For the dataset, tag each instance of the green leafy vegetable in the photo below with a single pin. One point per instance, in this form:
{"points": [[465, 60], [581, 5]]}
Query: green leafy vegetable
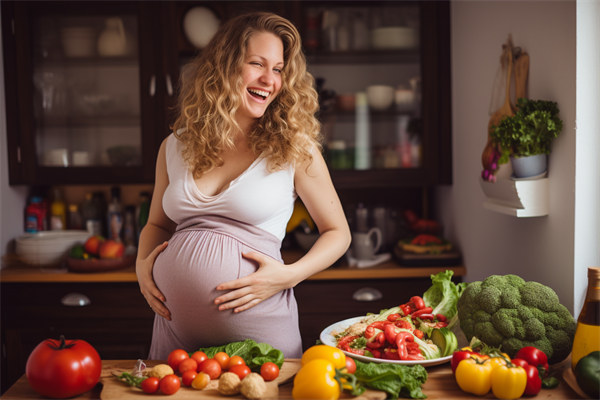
{"points": [[254, 354], [394, 379], [530, 131], [443, 295]]}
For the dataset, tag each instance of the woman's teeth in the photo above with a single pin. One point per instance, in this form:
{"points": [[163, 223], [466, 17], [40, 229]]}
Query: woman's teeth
{"points": [[260, 93]]}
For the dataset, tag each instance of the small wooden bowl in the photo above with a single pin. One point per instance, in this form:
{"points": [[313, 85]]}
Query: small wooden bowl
{"points": [[99, 265]]}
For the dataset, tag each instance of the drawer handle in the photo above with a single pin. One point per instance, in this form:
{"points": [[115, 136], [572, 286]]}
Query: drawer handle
{"points": [[367, 294], [75, 300]]}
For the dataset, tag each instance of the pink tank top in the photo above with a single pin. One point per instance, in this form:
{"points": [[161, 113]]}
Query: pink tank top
{"points": [[257, 197]]}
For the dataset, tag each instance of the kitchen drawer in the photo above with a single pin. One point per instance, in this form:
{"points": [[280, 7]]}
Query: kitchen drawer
{"points": [[322, 303], [48, 301]]}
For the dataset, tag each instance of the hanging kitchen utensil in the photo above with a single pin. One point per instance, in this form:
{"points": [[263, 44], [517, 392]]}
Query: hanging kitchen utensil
{"points": [[488, 156], [521, 75]]}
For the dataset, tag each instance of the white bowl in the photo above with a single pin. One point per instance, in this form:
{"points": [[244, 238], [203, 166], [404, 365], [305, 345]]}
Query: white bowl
{"points": [[380, 97], [394, 37], [48, 247], [305, 240], [200, 24]]}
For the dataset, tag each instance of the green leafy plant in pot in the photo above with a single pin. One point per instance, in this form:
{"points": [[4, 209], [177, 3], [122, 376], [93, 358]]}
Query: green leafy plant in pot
{"points": [[528, 135]]}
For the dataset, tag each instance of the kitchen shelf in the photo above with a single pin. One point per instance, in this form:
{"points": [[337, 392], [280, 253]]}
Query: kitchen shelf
{"points": [[517, 197], [365, 57]]}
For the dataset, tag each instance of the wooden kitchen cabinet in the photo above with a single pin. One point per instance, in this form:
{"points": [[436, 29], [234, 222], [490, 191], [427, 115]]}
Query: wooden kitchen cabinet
{"points": [[65, 131], [117, 321], [85, 91]]}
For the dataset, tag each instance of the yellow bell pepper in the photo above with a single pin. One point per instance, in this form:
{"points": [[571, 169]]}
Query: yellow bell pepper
{"points": [[316, 380], [498, 361], [508, 381], [329, 353], [473, 375]]}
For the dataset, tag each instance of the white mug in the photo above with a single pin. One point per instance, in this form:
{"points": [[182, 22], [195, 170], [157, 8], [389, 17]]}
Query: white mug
{"points": [[366, 245]]}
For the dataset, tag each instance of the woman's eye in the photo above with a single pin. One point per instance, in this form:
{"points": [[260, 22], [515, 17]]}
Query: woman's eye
{"points": [[255, 63], [277, 70]]}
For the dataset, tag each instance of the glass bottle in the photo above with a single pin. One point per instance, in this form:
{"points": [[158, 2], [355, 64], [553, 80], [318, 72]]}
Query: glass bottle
{"points": [[58, 212], [74, 217], [587, 334], [115, 215], [90, 213]]}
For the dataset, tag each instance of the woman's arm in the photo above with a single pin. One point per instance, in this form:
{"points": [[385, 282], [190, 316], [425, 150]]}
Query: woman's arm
{"points": [[153, 239], [314, 186]]}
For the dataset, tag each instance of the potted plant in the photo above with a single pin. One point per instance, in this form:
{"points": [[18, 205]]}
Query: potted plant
{"points": [[526, 137]]}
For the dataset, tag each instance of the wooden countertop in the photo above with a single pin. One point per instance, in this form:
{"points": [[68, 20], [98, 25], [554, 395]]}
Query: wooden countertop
{"points": [[440, 385], [15, 271]]}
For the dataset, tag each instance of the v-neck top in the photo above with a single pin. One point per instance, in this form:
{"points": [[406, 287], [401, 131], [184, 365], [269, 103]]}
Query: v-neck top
{"points": [[257, 196]]}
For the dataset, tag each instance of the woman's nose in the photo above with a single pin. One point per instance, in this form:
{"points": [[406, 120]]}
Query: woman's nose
{"points": [[268, 77]]}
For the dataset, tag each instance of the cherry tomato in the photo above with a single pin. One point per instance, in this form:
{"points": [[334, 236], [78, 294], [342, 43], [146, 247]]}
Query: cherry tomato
{"points": [[63, 368], [187, 364], [350, 365], [235, 360], [211, 367], [240, 370], [169, 384], [176, 357], [201, 381], [222, 358], [188, 377], [150, 385], [199, 356], [269, 371]]}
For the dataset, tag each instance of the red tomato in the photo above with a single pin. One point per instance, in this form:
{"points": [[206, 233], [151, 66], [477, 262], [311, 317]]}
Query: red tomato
{"points": [[199, 356], [187, 364], [235, 360], [350, 365], [211, 367], [188, 376], [240, 370], [222, 358], [176, 357], [457, 357], [269, 371], [534, 357], [170, 384], [150, 385], [63, 368]]}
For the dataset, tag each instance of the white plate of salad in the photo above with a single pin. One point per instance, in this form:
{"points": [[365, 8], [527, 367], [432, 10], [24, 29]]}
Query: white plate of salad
{"points": [[328, 337]]}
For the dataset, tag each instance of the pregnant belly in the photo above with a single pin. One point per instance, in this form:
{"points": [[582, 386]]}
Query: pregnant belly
{"points": [[188, 271]]}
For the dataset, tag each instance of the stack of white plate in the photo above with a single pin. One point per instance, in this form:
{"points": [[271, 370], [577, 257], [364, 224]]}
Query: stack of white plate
{"points": [[48, 247]]}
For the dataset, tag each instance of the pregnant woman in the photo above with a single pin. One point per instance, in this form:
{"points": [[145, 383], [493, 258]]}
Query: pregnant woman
{"points": [[245, 146]]}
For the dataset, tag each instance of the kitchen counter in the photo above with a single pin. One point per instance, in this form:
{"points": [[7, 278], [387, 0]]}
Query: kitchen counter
{"points": [[15, 271], [440, 385]]}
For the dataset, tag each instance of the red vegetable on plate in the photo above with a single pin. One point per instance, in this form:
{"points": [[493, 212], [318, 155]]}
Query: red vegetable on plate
{"points": [[63, 368]]}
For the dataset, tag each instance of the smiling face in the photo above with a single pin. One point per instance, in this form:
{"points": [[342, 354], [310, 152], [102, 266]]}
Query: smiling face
{"points": [[261, 76]]}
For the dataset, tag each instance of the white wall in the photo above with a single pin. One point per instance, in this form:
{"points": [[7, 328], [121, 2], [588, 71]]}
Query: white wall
{"points": [[540, 248]]}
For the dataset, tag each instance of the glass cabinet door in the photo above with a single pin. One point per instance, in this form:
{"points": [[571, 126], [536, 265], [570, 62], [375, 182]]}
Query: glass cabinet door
{"points": [[86, 90]]}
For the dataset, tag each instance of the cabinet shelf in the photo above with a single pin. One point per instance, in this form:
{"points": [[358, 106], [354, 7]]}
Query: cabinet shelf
{"points": [[365, 57], [517, 197]]}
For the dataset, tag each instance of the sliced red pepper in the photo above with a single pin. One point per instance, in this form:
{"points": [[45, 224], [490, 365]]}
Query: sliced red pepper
{"points": [[418, 302], [406, 309], [441, 317], [429, 317], [424, 310], [418, 333], [344, 343], [393, 317], [404, 324]]}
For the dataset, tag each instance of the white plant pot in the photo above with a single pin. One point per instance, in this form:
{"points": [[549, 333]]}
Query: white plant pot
{"points": [[525, 167]]}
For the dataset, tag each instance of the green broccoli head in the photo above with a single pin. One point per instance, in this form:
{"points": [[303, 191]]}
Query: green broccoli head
{"points": [[506, 311]]}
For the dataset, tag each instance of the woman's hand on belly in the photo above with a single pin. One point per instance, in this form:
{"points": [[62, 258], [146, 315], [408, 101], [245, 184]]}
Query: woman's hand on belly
{"points": [[143, 270], [270, 278]]}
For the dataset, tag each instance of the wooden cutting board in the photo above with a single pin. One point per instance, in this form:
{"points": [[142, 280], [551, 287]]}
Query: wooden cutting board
{"points": [[114, 389]]}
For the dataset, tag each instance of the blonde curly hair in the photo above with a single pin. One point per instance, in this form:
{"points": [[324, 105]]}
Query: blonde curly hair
{"points": [[211, 92]]}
